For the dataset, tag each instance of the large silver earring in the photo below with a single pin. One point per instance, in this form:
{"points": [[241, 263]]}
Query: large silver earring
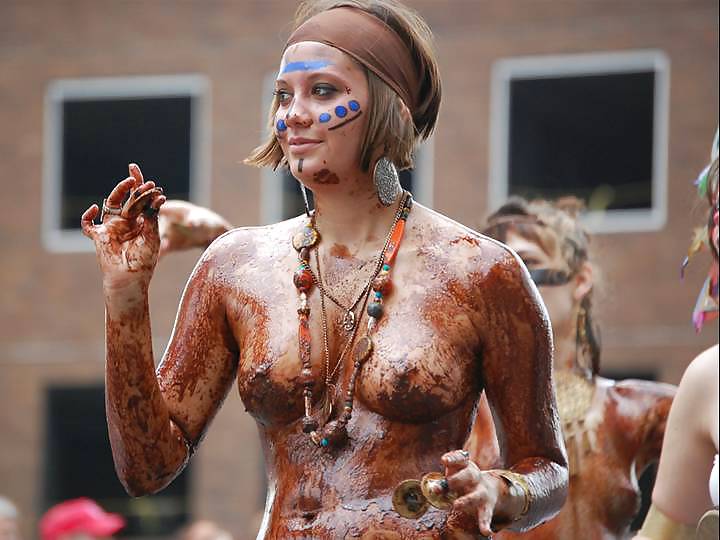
{"points": [[387, 181]]}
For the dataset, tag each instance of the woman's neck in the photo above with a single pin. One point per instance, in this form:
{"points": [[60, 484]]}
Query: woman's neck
{"points": [[565, 352], [349, 213]]}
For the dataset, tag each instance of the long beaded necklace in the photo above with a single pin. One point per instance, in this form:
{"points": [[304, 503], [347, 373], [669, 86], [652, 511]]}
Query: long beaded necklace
{"points": [[334, 433]]}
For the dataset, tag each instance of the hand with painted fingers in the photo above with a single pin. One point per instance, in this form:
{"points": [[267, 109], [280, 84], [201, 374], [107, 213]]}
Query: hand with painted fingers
{"points": [[127, 239], [485, 495]]}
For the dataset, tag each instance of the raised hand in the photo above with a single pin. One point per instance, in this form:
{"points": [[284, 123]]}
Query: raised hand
{"points": [[127, 240]]}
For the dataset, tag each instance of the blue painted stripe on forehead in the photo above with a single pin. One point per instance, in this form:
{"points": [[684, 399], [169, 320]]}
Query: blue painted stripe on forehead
{"points": [[305, 66]]}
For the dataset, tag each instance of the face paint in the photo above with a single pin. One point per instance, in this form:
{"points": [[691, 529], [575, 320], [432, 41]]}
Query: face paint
{"points": [[326, 177], [300, 164], [305, 66], [341, 112]]}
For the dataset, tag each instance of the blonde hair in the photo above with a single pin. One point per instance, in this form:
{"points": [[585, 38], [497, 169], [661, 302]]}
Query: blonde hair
{"points": [[390, 126]]}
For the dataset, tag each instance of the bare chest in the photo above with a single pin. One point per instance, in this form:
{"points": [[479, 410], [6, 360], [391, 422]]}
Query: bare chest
{"points": [[424, 362]]}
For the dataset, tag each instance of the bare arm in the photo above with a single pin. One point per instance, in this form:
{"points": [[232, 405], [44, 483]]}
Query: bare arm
{"points": [[184, 225], [153, 424], [517, 367], [517, 370], [681, 488]]}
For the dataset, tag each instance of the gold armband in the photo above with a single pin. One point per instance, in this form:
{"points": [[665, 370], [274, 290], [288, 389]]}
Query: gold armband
{"points": [[659, 526], [516, 484]]}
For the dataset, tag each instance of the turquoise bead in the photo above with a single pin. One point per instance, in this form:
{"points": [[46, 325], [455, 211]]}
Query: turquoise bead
{"points": [[386, 267], [324, 442]]}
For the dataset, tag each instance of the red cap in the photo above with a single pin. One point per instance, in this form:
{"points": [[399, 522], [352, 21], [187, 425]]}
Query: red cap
{"points": [[79, 516]]}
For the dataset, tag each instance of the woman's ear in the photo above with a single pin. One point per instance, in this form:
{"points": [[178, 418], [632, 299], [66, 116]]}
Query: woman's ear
{"points": [[583, 281]]}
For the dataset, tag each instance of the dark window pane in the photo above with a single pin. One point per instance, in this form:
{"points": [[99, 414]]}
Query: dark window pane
{"points": [[79, 464], [101, 136], [590, 136]]}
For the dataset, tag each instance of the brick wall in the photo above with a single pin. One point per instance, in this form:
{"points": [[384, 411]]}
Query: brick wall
{"points": [[52, 307]]}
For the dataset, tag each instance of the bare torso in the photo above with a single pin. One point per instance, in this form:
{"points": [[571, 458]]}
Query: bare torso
{"points": [[416, 397], [623, 434]]}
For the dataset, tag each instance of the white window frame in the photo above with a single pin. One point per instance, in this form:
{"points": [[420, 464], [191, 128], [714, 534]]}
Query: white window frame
{"points": [[506, 70], [197, 87], [271, 188]]}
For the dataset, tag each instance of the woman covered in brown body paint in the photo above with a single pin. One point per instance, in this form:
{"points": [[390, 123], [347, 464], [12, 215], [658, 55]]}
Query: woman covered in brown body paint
{"points": [[612, 430], [360, 335]]}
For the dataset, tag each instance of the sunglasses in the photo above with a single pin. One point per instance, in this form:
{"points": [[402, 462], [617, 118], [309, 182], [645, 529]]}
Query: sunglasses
{"points": [[549, 276]]}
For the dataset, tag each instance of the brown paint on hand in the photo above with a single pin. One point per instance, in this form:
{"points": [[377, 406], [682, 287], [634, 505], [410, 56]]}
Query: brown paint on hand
{"points": [[325, 176]]}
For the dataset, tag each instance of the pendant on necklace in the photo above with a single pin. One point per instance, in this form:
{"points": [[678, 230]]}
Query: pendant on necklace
{"points": [[348, 321], [326, 405]]}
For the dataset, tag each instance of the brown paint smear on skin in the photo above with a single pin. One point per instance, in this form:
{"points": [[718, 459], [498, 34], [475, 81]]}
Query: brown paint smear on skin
{"points": [[459, 320], [340, 251], [325, 176], [604, 496]]}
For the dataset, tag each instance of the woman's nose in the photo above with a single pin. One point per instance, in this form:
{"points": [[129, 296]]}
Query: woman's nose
{"points": [[298, 116]]}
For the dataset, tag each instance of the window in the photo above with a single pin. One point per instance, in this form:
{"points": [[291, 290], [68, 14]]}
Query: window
{"points": [[591, 125], [79, 464], [281, 198], [95, 127]]}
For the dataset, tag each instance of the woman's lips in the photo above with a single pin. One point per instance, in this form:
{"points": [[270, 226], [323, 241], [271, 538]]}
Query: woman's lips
{"points": [[300, 145]]}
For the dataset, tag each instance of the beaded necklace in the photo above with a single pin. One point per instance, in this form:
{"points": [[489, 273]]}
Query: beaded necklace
{"points": [[334, 433]]}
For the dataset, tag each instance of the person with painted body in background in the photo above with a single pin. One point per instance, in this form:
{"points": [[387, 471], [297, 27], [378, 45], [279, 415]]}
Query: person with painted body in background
{"points": [[687, 481], [360, 335], [613, 429]]}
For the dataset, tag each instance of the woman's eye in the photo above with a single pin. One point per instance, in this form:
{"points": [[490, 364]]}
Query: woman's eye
{"points": [[323, 90], [282, 96]]}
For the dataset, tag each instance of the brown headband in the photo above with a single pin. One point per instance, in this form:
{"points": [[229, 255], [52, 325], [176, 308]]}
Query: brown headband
{"points": [[369, 41]]}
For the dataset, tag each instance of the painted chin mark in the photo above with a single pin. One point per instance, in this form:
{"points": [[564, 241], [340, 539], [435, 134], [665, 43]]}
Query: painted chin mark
{"points": [[326, 177], [300, 165]]}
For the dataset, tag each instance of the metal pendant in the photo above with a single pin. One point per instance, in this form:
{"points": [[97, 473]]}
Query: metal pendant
{"points": [[408, 499], [326, 407], [412, 498], [434, 487], [348, 321]]}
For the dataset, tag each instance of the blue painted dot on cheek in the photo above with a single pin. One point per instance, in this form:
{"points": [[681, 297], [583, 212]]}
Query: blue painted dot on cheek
{"points": [[281, 125], [340, 111], [354, 105], [324, 117]]}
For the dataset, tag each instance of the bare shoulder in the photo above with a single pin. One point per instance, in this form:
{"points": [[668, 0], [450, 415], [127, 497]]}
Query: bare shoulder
{"points": [[257, 244], [700, 380], [468, 250], [639, 389], [250, 252]]}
